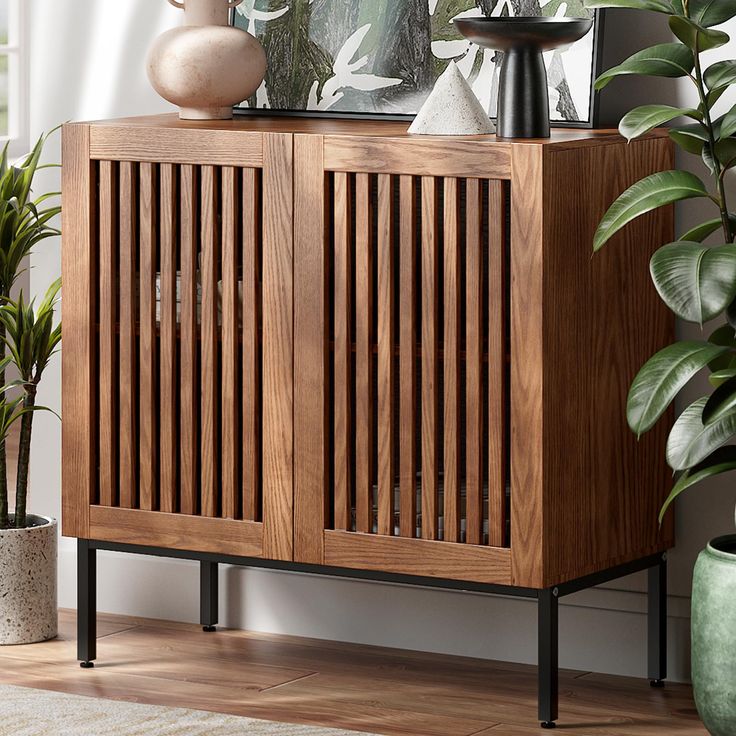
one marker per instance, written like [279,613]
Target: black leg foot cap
[209,629]
[86,665]
[548,724]
[656,683]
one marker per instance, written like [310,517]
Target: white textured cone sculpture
[452,109]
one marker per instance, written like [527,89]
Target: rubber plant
[25,221]
[696,281]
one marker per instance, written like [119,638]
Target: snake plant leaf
[662,378]
[643,119]
[709,13]
[723,460]
[721,402]
[695,282]
[696,37]
[725,336]
[646,195]
[663,60]
[718,378]
[658,6]
[691,441]
[719,75]
[700,232]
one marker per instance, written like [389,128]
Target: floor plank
[386,691]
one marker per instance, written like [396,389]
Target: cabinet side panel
[310,356]
[77,368]
[602,320]
[278,347]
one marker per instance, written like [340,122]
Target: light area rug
[29,712]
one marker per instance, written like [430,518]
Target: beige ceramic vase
[206,66]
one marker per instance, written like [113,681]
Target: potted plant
[28,339]
[698,283]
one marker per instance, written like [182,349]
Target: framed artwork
[381,58]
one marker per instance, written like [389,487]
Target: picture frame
[334,58]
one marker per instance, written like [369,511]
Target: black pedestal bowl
[523,98]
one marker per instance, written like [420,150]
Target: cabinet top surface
[561,137]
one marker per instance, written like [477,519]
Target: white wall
[87,62]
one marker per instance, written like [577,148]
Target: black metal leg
[657,623]
[548,656]
[208,614]
[86,603]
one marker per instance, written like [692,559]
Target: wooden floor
[384,691]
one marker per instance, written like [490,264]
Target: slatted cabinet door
[178,339]
[401,346]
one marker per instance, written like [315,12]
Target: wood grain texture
[418,557]
[148,405]
[78,222]
[168,399]
[108,350]
[343,372]
[430,368]
[208,355]
[278,347]
[310,350]
[386,338]
[188,350]
[251,317]
[408,279]
[176,146]
[363,354]
[176,531]
[418,156]
[451,362]
[497,376]
[474,362]
[230,394]
[128,379]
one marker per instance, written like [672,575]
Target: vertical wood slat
[451,363]
[128,382]
[430,308]
[363,354]
[230,397]
[148,404]
[188,370]
[278,347]
[108,389]
[474,363]
[251,210]
[407,363]
[311,350]
[386,332]
[343,350]
[496,364]
[168,363]
[208,345]
[78,401]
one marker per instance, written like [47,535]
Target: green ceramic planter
[714,636]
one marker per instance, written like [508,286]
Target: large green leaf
[718,378]
[647,117]
[691,441]
[662,378]
[696,37]
[720,74]
[721,461]
[695,282]
[700,232]
[663,60]
[725,336]
[646,195]
[728,124]
[721,402]
[709,13]
[658,6]
[691,137]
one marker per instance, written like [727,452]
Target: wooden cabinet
[329,343]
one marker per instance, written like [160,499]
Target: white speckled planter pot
[28,582]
